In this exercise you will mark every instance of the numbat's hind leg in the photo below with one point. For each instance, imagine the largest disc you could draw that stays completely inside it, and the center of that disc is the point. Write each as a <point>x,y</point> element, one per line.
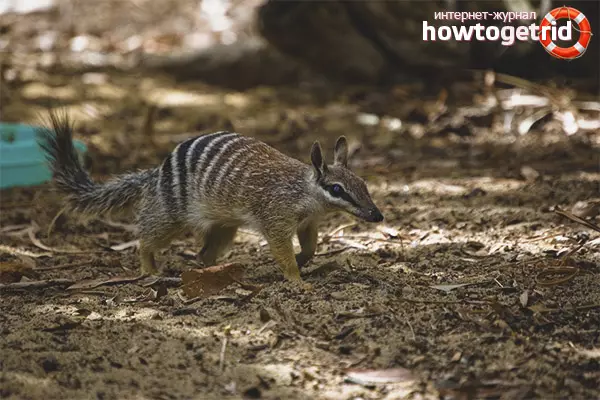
<point>152,239</point>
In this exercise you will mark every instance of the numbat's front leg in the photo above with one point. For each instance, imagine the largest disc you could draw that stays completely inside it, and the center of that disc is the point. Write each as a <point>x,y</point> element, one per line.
<point>283,252</point>
<point>216,241</point>
<point>307,236</point>
<point>282,249</point>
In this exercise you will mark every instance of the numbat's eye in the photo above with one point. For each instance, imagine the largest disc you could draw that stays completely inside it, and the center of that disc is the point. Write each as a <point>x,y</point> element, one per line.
<point>336,190</point>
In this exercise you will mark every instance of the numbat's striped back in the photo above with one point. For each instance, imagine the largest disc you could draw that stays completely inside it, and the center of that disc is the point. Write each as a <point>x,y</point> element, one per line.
<point>205,168</point>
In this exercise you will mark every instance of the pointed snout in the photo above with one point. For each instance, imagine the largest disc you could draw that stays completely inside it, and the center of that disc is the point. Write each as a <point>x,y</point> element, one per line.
<point>374,215</point>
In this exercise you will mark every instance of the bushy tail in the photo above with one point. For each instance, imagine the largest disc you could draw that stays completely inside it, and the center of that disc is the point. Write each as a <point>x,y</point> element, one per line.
<point>84,195</point>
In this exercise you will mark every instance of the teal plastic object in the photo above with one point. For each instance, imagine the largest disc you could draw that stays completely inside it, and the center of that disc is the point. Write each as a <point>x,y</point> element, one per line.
<point>22,161</point>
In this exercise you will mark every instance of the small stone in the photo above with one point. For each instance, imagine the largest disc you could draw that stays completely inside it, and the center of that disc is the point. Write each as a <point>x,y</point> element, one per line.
<point>264,315</point>
<point>253,393</point>
<point>338,295</point>
<point>407,291</point>
<point>50,364</point>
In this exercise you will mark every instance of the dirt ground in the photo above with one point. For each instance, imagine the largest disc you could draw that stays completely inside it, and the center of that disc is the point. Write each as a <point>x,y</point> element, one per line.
<point>472,284</point>
<point>460,210</point>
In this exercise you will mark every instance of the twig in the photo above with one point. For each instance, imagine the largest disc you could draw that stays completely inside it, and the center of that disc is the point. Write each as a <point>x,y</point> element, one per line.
<point>192,300</point>
<point>148,126</point>
<point>90,292</point>
<point>350,243</point>
<point>411,328</point>
<point>354,315</point>
<point>53,222</point>
<point>575,218</point>
<point>222,354</point>
<point>566,257</point>
<point>340,228</point>
<point>396,242</point>
<point>574,308</point>
<point>268,324</point>
<point>540,238</point>
<point>94,283</point>
<point>332,252</point>
<point>120,225</point>
<point>570,271</point>
<point>420,301</point>
<point>165,280</point>
<point>64,266</point>
<point>42,246</point>
<point>125,245</point>
<point>35,285</point>
<point>11,228</point>
<point>15,251</point>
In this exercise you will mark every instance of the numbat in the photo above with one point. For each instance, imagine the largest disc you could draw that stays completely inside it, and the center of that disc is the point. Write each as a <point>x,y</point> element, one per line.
<point>212,185</point>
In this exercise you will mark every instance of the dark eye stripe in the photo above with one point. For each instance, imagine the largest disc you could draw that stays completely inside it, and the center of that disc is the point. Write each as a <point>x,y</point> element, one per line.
<point>344,196</point>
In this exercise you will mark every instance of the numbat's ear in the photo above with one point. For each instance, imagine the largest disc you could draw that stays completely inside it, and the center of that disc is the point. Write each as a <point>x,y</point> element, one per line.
<point>316,157</point>
<point>340,152</point>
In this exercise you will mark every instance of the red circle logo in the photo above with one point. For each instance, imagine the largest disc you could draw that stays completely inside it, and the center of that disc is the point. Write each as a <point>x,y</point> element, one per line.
<point>583,26</point>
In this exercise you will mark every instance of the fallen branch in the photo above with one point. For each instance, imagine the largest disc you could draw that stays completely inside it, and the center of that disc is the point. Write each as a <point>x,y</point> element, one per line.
<point>162,280</point>
<point>543,309</point>
<point>35,285</point>
<point>22,228</point>
<point>94,283</point>
<point>64,266</point>
<point>222,354</point>
<point>332,252</point>
<point>575,218</point>
<point>421,301</point>
<point>53,222</point>
<point>567,272</point>
<point>15,251</point>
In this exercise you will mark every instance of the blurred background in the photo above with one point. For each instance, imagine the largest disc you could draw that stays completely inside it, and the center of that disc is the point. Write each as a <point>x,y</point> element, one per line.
<point>286,69</point>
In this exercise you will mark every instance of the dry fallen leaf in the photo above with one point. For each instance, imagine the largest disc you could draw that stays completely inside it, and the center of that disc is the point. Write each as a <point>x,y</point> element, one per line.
<point>209,281</point>
<point>34,284</point>
<point>524,298</point>
<point>94,283</point>
<point>371,377</point>
<point>456,357</point>
<point>449,288</point>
